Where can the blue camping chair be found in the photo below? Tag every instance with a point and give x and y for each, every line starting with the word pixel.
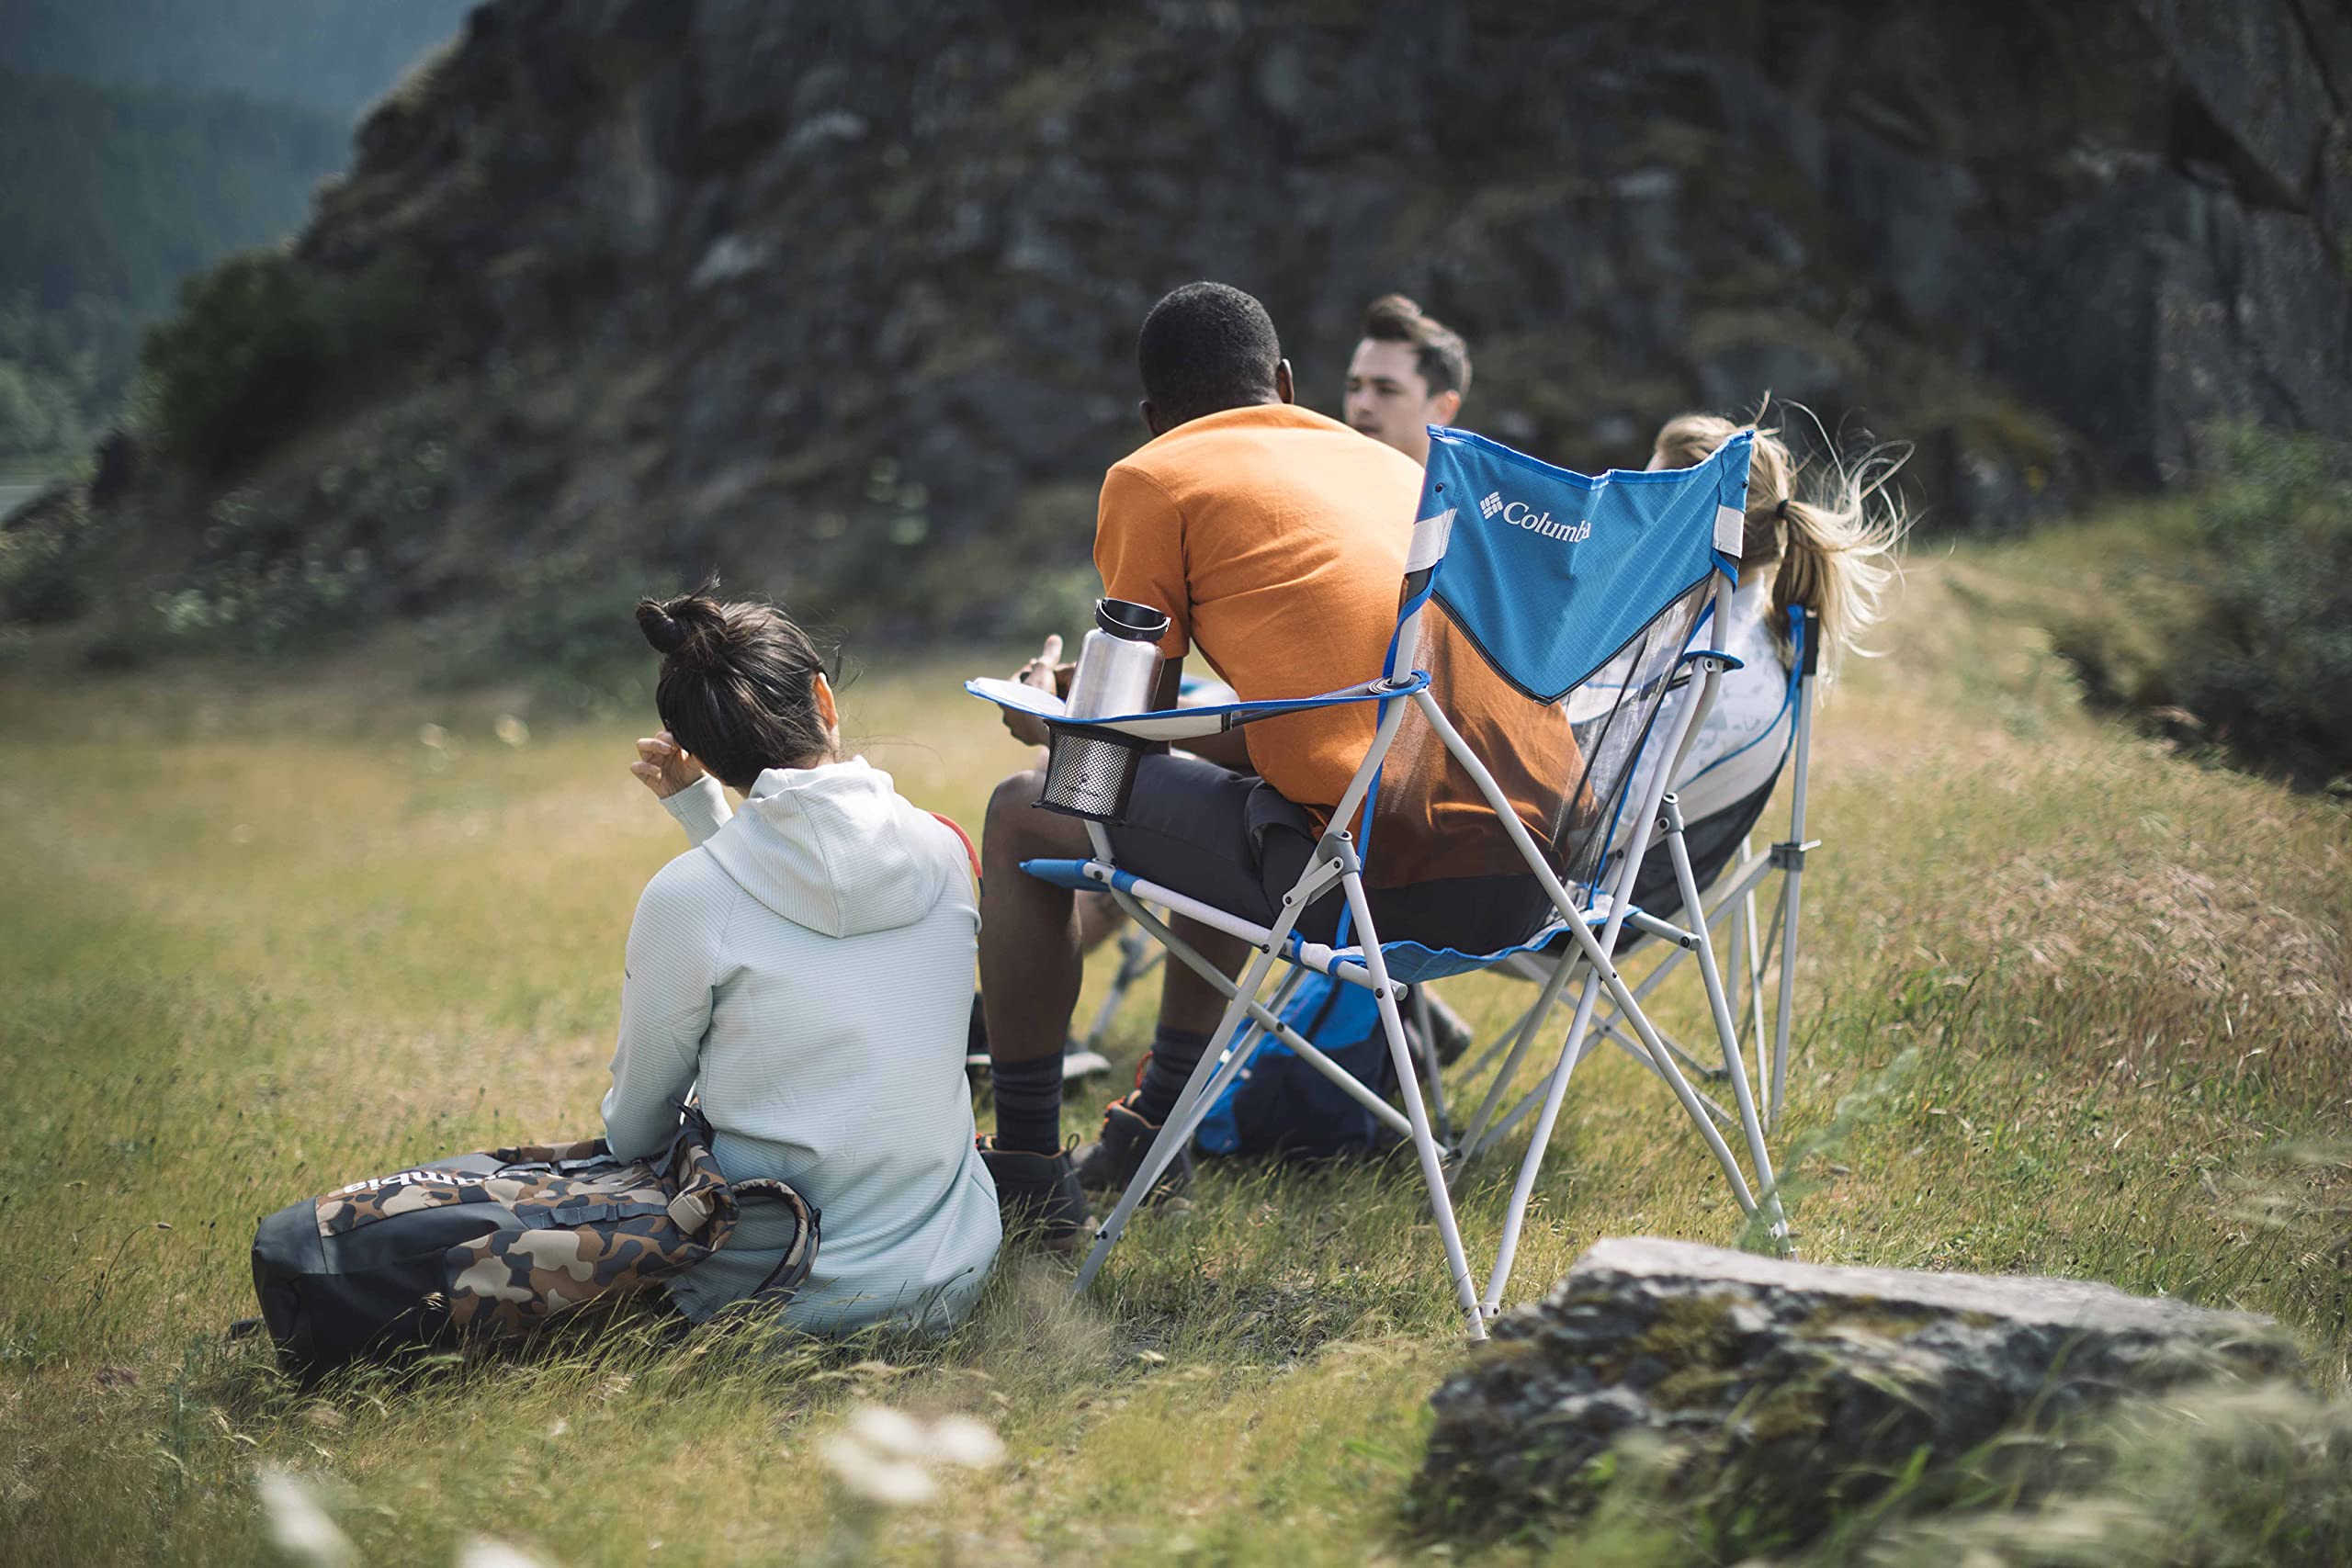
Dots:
pixel 1543 616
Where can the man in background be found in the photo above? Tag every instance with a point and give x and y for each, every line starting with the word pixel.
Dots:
pixel 1410 372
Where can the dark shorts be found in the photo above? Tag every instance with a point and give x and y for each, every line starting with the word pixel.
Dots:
pixel 1233 840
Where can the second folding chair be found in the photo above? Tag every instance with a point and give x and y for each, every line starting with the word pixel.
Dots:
pixel 1760 949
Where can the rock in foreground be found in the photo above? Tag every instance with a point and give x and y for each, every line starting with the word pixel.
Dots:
pixel 1793 1391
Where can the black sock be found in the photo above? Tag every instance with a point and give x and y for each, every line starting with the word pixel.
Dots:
pixel 1029 1104
pixel 1174 1053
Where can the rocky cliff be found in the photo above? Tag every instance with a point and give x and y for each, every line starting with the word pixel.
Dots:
pixel 843 298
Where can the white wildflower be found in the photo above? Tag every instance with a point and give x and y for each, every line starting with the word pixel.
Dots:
pixel 512 730
pixel 481 1551
pixel 891 1433
pixel 962 1441
pixel 874 1477
pixel 299 1526
pixel 886 1456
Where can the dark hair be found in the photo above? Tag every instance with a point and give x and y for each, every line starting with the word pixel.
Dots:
pixel 1204 348
pixel 738 684
pixel 1441 356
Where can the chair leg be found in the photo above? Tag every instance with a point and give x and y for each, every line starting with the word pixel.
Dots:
pixel 1742 1095
pixel 1752 956
pixel 1173 1130
pixel 1432 1065
pixel 1457 1263
pixel 1506 1253
pixel 1735 975
pixel 1136 959
pixel 1785 998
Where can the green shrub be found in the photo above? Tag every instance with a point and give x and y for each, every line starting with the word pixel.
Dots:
pixel 37 415
pixel 2228 617
pixel 254 594
pixel 261 342
pixel 45 561
pixel 2271 668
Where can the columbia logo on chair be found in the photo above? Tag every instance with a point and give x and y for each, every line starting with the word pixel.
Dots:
pixel 1519 514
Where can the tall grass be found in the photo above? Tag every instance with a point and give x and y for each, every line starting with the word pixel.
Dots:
pixel 256 941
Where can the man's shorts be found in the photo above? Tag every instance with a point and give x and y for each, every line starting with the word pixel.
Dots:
pixel 1234 841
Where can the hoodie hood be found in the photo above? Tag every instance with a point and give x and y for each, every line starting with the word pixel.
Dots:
pixel 837 850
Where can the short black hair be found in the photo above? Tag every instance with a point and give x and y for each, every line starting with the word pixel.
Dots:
pixel 1204 348
pixel 1438 353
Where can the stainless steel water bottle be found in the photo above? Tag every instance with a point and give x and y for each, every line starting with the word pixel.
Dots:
pixel 1117 660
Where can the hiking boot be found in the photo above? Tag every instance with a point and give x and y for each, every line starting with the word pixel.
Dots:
pixel 1110 1162
pixel 1037 1194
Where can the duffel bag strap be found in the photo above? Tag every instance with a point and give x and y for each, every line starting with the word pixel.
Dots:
pixel 792 1271
pixel 604 1210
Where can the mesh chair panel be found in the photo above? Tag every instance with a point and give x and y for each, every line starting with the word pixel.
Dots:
pixel 1565 766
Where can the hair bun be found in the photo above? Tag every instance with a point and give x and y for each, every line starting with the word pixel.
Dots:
pixel 664 630
pixel 674 627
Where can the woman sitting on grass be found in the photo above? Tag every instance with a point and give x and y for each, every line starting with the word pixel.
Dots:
pixel 809 965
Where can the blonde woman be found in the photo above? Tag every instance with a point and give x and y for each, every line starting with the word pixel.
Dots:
pixel 1828 546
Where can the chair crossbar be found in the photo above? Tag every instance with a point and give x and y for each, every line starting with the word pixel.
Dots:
pixel 1610 1029
pixel 1268 1018
pixel 1319 956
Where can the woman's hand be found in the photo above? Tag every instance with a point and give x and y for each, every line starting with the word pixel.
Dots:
pixel 663 766
pixel 1047 674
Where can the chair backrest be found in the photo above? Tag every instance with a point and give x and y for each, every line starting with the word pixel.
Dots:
pixel 1550 609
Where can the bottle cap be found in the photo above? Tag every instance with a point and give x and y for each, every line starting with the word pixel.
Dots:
pixel 1130 621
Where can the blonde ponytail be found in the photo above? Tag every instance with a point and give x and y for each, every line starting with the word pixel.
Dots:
pixel 1835 550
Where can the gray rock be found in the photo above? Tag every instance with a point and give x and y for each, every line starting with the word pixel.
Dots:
pixel 1793 1390
pixel 2257 69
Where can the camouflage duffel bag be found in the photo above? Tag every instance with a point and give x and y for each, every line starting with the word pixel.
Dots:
pixel 493 1244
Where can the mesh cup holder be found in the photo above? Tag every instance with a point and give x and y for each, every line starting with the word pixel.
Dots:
pixel 1090 773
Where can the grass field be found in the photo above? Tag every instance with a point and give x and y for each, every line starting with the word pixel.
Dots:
pixel 2088 1005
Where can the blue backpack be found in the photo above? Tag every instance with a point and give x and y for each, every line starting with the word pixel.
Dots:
pixel 1280 1105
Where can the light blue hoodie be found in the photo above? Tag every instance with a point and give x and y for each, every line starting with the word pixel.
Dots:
pixel 808 968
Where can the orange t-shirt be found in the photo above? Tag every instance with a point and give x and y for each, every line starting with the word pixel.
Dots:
pixel 1275 538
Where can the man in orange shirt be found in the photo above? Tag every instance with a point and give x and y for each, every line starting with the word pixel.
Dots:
pixel 1275 538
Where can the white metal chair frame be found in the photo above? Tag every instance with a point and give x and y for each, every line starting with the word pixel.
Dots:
pixel 1246 1019
pixel 1730 900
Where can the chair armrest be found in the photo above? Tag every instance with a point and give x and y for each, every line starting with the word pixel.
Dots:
pixel 1729 661
pixel 1185 724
